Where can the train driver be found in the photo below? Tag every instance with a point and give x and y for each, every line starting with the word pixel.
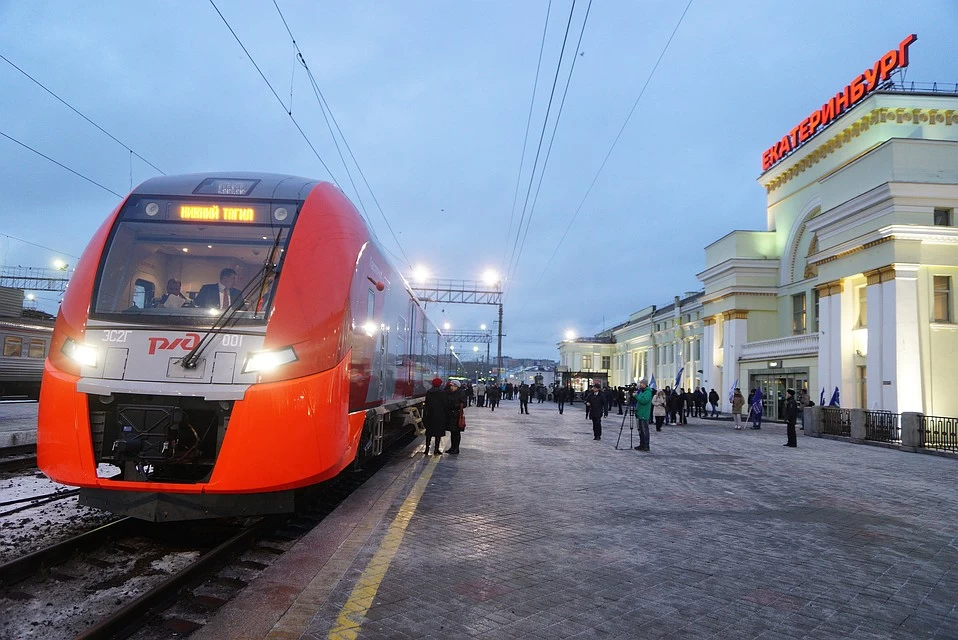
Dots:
pixel 221 295
pixel 173 298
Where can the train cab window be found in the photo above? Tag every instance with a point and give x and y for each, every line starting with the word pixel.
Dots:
pixel 38 349
pixel 198 245
pixel 13 346
pixel 370 304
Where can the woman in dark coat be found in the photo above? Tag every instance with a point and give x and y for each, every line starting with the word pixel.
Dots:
pixel 435 414
pixel 457 401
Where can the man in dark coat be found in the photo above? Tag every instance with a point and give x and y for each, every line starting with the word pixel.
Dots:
pixel 222 295
pixel 457 404
pixel 559 396
pixel 593 404
pixel 435 414
pixel 493 394
pixel 791 415
pixel 714 400
pixel 524 398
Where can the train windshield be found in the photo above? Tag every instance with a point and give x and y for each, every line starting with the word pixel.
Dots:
pixel 190 261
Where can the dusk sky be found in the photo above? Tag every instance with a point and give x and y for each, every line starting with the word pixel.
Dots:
pixel 433 99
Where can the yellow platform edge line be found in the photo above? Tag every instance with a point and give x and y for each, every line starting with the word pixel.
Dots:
pixel 364 592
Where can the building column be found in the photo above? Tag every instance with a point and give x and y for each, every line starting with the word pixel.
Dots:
pixel 845 374
pixel 824 389
pixel 629 367
pixel 736 335
pixel 874 353
pixel 901 359
pixel 709 371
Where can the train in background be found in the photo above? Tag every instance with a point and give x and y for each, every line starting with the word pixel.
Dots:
pixel 227 340
pixel 25 342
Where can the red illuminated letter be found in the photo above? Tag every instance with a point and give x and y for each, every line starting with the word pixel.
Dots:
pixel 857 88
pixel 888 64
pixel 903 49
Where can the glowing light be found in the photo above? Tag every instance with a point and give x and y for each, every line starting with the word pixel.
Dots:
pixel 369 328
pixel 490 276
pixel 570 335
pixel 421 273
pixel 482 327
pixel 59 264
pixel 446 326
pixel 185 250
pixel 475 348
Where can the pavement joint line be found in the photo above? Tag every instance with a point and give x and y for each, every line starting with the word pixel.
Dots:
pixel 364 592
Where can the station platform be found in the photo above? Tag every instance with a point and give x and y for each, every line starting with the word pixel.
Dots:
pixel 18 423
pixel 538 531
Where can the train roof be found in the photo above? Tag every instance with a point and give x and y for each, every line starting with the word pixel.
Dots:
pixel 25 324
pixel 263 185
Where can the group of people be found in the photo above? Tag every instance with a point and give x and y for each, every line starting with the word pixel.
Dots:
pixel 442 412
pixel 216 295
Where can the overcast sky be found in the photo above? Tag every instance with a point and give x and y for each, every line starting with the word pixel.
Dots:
pixel 433 98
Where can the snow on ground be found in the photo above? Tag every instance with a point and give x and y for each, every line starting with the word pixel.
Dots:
pixel 27 531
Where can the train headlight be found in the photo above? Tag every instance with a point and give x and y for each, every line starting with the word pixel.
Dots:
pixel 82 354
pixel 269 360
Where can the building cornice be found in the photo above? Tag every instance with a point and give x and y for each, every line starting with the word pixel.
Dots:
pixel 729 292
pixel 884 117
pixel 926 234
pixel 744 266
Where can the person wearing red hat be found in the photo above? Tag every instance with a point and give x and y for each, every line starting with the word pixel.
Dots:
pixel 435 413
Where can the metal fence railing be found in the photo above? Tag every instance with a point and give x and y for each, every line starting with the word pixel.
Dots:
pixel 836 422
pixel 939 433
pixel 882 426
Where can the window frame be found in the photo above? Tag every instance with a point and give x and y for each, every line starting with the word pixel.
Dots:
pixel 8 341
pixel 946 292
pixel 947 215
pixel 799 315
pixel 37 342
pixel 606 363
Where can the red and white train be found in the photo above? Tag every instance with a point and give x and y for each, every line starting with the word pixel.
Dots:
pixel 302 353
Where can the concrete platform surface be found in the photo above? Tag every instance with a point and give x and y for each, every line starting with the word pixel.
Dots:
pixel 538 531
pixel 18 423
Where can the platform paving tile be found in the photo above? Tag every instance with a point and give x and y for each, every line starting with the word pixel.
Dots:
pixel 537 531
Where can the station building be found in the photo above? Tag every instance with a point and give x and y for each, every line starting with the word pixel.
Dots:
pixel 851 284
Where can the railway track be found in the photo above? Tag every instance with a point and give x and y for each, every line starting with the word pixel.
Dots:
pixel 16 458
pixel 119 549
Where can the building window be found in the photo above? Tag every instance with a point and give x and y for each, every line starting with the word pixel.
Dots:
pixel 13 346
pixel 698 349
pixel 798 314
pixel 943 217
pixel 862 301
pixel 942 299
pixel 38 348
pixel 586 362
pixel 606 362
pixel 817 297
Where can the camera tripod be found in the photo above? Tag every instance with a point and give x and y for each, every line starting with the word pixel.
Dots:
pixel 630 416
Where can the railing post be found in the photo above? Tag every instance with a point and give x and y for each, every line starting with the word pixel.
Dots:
pixel 910 431
pixel 813 421
pixel 858 425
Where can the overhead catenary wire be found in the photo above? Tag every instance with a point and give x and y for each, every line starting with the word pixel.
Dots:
pixel 326 109
pixel 525 136
pixel 7 235
pixel 614 143
pixel 76 111
pixel 276 95
pixel 555 128
pixel 60 164
pixel 545 122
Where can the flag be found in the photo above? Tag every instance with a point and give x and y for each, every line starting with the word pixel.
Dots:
pixel 652 382
pixel 755 411
pixel 834 401
pixel 678 380
pixel 731 390
pixel 821 398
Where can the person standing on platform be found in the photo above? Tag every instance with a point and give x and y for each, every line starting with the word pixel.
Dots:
pixel 620 399
pixel 559 395
pixel 659 401
pixel 643 409
pixel 524 398
pixel 593 405
pixel 791 415
pixel 738 401
pixel 570 395
pixel 457 404
pixel 493 393
pixel 435 414
pixel 714 400
pixel 481 394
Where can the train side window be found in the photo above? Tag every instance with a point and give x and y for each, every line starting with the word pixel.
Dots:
pixel 13 346
pixel 370 304
pixel 38 349
pixel 143 292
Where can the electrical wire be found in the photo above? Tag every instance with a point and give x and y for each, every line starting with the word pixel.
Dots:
pixel 64 253
pixel 525 136
pixel 280 100
pixel 545 122
pixel 545 163
pixel 614 142
pixel 60 164
pixel 74 110
pixel 326 109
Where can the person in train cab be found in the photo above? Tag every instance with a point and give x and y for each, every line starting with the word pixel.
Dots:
pixel 173 298
pixel 457 404
pixel 524 392
pixel 435 414
pixel 593 407
pixel 221 295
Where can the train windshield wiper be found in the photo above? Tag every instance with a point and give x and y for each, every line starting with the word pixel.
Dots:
pixel 260 282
